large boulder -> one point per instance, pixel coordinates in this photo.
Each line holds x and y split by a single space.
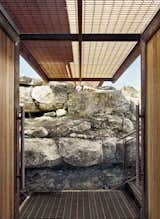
109 149
90 102
80 152
51 97
41 153
45 98
26 100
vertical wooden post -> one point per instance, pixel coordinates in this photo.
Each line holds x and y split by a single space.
16 135
9 74
152 127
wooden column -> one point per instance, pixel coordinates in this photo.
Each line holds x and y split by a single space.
8 126
152 133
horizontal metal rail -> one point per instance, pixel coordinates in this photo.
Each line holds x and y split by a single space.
128 135
22 165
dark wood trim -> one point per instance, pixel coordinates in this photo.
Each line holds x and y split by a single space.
79 3
128 61
80 79
49 36
32 61
112 37
100 83
7 25
144 127
152 28
16 130
22 164
85 37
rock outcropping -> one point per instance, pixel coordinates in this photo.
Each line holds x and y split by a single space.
76 127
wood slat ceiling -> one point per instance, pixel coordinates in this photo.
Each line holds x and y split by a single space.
99 59
118 16
41 16
55 58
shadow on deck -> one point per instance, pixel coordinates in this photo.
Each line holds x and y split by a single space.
110 204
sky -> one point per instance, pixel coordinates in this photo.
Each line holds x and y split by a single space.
131 76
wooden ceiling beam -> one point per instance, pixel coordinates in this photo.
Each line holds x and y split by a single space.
152 28
32 61
80 79
100 83
7 25
124 37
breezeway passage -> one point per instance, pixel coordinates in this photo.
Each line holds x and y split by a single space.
81 41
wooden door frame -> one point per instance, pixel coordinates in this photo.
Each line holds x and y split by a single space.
10 92
144 95
16 137
12 32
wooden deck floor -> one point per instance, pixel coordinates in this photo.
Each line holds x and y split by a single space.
80 205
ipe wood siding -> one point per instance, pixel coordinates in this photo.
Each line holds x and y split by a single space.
7 126
153 126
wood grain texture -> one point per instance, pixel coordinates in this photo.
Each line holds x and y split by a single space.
153 126
6 127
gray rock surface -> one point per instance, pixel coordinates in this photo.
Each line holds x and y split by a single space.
130 150
59 126
50 114
36 132
109 149
41 153
73 147
62 87
128 125
44 98
27 81
61 112
26 100
80 152
90 102
68 177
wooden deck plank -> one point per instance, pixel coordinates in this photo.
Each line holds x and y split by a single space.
86 206
80 205
130 206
